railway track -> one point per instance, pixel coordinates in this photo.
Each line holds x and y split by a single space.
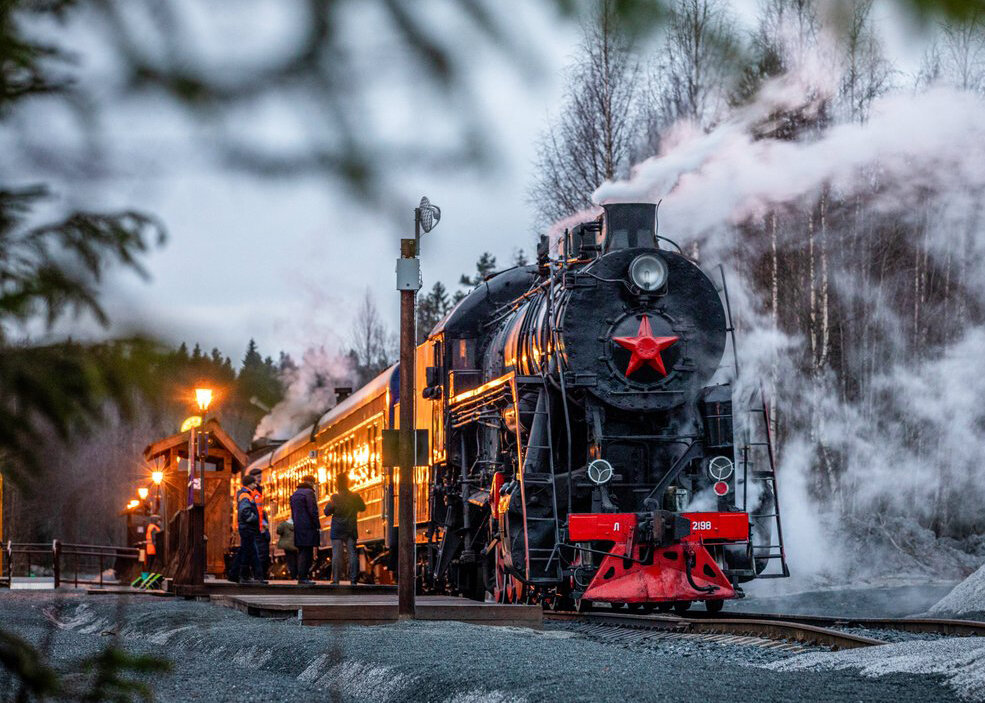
796 631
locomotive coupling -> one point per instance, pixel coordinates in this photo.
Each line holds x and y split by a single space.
668 528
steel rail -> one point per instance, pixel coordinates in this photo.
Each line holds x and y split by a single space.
767 629
941 626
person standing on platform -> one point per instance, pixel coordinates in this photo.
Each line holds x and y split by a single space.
248 522
307 528
344 508
285 541
153 536
263 542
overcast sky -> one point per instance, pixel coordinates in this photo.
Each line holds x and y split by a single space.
285 261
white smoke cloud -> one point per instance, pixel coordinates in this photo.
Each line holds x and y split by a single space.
310 391
911 145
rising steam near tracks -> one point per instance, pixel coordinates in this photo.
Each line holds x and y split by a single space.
876 226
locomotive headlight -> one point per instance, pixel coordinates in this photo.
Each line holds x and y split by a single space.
648 272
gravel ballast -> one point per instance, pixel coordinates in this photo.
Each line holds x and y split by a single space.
960 660
224 655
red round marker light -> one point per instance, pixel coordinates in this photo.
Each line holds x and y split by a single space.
721 488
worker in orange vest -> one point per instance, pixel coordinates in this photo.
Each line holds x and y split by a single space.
263 542
151 541
247 521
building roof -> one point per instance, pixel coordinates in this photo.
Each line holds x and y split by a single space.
180 441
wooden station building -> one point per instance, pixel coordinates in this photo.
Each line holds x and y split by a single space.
223 461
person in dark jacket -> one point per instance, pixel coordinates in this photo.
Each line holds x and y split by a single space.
263 541
248 522
307 528
344 508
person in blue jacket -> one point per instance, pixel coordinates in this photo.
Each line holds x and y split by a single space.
248 522
307 527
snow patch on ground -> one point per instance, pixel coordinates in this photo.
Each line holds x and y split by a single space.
960 661
357 680
83 620
365 682
967 597
163 636
253 656
480 696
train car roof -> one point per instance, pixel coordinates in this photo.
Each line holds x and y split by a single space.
374 387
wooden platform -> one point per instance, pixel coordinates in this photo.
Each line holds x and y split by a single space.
125 591
228 588
378 609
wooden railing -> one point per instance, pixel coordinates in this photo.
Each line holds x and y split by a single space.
56 552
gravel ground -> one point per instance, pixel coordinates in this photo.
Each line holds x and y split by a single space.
960 660
224 655
682 645
891 635
966 600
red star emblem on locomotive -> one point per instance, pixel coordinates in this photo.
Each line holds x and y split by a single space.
645 348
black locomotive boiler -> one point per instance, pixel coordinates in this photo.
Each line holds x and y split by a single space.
582 435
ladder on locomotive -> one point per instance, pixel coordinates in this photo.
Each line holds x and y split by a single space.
543 563
767 477
769 512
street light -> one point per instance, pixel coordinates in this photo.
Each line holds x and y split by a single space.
142 493
157 477
203 396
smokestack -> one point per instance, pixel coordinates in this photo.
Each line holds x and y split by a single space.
342 392
629 225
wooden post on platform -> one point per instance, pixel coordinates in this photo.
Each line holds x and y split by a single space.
407 557
426 216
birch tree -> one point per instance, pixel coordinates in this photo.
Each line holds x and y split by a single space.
694 71
589 142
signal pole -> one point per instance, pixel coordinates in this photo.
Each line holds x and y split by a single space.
407 557
426 216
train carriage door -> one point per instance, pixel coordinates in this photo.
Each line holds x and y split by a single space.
438 405
422 402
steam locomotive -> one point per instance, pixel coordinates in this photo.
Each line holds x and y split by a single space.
581 444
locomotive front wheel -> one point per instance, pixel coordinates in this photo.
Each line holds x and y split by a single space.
682 606
634 607
664 606
714 606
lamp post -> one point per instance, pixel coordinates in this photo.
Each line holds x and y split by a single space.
426 216
157 477
203 398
